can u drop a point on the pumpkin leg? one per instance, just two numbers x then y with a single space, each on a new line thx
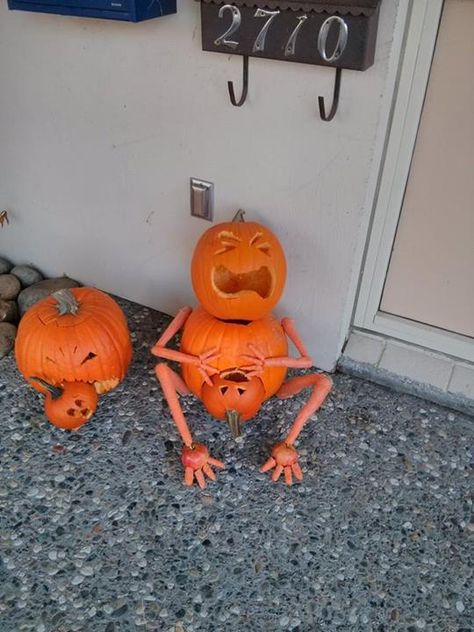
284 457
195 456
170 383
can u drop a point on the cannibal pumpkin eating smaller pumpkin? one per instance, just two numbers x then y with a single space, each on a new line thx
77 336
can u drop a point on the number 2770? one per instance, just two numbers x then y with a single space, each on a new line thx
290 47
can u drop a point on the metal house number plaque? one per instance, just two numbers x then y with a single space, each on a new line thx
339 33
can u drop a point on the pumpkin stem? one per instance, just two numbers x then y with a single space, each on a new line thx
55 391
67 302
233 419
239 216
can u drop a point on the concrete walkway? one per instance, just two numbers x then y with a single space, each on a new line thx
97 532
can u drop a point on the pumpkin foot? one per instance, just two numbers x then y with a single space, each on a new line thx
284 460
197 465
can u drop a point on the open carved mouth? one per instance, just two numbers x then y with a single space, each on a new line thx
228 284
234 375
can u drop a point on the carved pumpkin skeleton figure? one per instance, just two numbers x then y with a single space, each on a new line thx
234 353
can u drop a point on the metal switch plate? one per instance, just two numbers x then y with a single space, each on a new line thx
202 199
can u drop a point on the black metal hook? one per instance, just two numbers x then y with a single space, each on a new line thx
245 87
335 100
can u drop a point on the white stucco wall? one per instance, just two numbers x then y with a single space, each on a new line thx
103 123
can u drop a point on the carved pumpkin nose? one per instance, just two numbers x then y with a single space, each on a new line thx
239 390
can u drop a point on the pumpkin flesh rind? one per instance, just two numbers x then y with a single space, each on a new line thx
202 332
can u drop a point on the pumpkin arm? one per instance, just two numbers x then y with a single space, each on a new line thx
176 324
304 361
284 458
259 361
322 385
195 456
171 383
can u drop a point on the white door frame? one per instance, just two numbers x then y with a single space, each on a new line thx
414 73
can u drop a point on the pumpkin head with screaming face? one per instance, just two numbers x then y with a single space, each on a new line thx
238 271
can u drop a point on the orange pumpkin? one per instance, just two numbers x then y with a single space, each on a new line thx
238 270
202 332
233 394
77 335
69 407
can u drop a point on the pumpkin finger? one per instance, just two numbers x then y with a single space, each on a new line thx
205 376
268 465
252 367
277 472
216 463
288 475
297 471
252 358
207 354
200 478
208 471
210 370
188 476
252 374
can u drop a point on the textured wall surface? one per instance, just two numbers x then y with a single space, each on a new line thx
103 123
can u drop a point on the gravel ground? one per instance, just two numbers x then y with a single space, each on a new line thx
97 532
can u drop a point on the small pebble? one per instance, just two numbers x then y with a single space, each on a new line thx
460 607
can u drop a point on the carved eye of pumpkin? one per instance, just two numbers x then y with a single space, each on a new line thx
228 241
263 246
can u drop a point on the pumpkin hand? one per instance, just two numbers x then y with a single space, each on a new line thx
284 459
204 366
197 464
257 359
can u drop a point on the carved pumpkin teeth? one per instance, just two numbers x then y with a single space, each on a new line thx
105 385
229 284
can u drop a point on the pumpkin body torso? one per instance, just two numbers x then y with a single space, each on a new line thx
202 332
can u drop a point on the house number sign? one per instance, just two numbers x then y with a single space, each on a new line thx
338 34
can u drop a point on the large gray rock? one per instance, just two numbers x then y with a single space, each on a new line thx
27 275
31 295
8 311
5 265
10 287
7 338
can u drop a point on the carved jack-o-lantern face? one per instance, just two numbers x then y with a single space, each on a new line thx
233 397
69 406
238 271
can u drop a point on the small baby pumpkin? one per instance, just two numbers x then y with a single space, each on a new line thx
70 406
